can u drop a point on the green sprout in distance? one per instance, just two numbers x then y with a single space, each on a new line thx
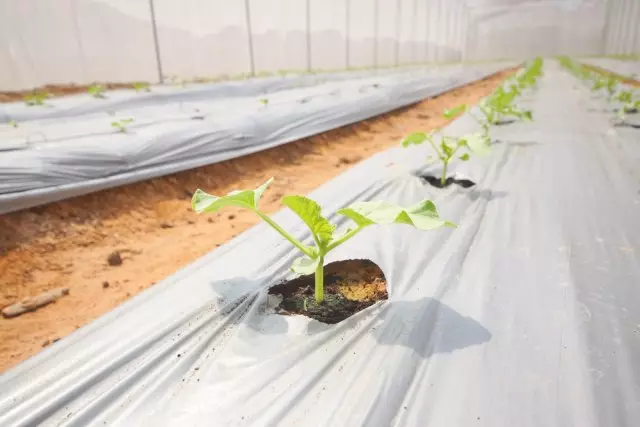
13 123
500 104
263 101
141 87
36 98
423 216
629 104
97 91
477 143
122 124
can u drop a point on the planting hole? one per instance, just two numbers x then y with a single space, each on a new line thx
349 287
435 181
628 125
503 122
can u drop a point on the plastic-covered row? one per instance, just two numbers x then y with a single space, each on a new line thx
80 144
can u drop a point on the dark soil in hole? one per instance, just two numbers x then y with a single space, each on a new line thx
435 181
628 125
503 122
349 287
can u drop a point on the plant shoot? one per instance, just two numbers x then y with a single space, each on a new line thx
97 91
423 216
122 124
36 98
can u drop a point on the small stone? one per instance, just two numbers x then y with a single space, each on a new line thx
56 339
231 216
166 225
46 343
114 258
191 222
105 284
209 220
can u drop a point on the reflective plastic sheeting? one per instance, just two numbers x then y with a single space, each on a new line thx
525 315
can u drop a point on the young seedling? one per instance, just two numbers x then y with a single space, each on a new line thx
610 83
423 216
500 105
263 101
36 98
122 124
629 105
13 123
477 143
97 91
141 87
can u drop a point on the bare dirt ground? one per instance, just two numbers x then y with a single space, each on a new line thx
605 72
67 244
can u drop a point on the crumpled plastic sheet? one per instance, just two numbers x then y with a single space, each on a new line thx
525 315
77 150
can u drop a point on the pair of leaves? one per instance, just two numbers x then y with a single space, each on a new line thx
423 216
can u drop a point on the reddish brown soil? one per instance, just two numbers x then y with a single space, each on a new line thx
58 90
605 72
69 243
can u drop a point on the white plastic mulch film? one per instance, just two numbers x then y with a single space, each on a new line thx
82 41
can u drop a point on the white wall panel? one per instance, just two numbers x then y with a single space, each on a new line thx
279 34
81 41
432 30
202 37
387 29
361 33
405 43
328 34
116 38
74 41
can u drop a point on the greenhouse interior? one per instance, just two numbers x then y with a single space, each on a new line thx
320 213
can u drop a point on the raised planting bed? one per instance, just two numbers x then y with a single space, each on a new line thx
103 143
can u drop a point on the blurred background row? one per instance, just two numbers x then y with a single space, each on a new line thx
83 41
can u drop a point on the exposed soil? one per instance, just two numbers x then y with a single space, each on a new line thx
604 72
58 90
349 287
153 230
435 181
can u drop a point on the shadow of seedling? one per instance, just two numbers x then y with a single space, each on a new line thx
428 326
627 125
523 144
504 122
486 194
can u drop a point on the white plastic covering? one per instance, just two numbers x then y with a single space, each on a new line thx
81 41
526 315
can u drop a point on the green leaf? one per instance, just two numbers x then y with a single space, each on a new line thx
479 143
203 202
305 265
310 213
423 215
455 111
415 138
527 115
448 151
465 157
